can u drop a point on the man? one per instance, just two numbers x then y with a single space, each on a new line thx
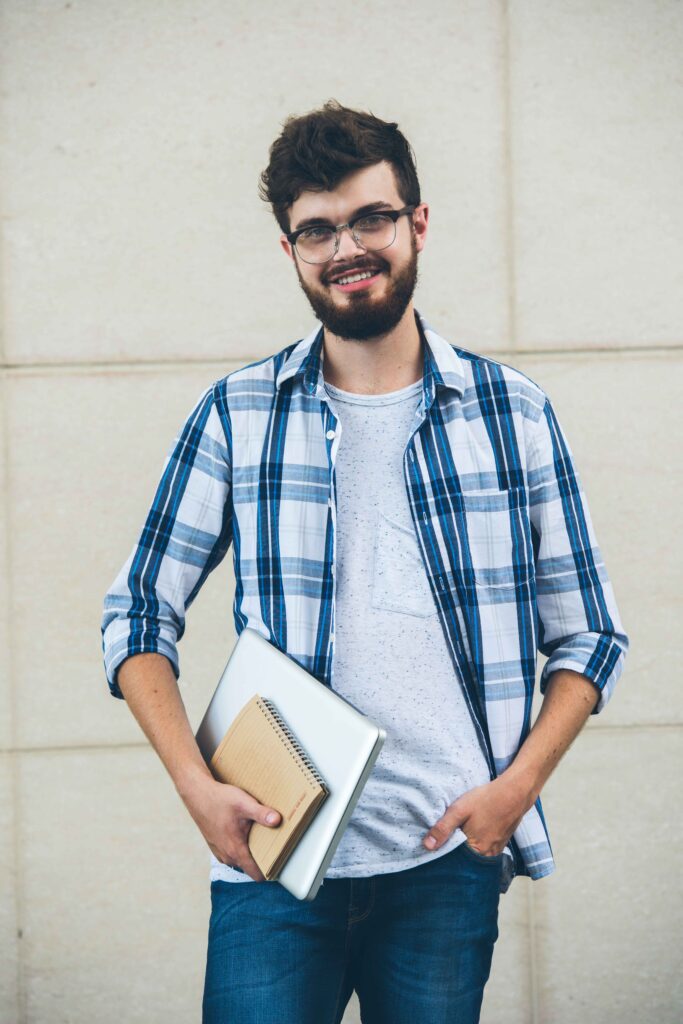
408 525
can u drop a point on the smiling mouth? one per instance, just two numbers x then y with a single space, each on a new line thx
351 279
357 281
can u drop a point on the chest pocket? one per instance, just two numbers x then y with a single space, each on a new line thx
499 539
399 581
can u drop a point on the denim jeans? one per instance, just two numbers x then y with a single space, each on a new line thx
415 945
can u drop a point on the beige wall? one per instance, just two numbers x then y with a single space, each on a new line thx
138 264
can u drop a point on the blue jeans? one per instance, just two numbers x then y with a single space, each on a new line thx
415 945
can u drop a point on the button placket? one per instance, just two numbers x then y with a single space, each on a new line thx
333 513
462 659
332 434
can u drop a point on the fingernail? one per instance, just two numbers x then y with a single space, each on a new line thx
271 817
430 841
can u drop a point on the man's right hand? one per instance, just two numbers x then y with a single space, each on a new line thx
224 815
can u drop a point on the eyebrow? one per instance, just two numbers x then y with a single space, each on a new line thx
368 208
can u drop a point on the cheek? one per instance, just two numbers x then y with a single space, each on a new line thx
308 278
310 273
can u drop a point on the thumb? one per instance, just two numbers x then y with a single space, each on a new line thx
444 828
261 813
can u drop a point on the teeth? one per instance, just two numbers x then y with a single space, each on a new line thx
352 278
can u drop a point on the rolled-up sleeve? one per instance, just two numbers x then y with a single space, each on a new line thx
578 620
187 532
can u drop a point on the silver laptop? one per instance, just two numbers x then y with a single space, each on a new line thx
342 743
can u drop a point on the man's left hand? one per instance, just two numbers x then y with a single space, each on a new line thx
488 815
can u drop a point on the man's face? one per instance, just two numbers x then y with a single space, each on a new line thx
372 307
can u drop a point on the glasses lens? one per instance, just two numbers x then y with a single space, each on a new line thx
375 231
316 245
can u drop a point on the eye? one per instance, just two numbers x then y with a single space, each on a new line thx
374 222
316 234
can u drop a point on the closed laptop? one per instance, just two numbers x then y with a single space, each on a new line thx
342 743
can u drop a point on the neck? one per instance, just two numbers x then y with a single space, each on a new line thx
377 365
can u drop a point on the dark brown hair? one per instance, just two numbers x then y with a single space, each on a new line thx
315 151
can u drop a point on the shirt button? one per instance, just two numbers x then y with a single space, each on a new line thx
332 637
332 570
330 434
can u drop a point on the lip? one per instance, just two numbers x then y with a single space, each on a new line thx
357 286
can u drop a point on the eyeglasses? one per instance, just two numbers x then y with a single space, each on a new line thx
371 231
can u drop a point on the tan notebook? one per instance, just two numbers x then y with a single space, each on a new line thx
260 755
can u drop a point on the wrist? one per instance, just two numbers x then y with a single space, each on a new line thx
523 783
191 778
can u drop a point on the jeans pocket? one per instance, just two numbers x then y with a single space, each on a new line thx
399 580
482 857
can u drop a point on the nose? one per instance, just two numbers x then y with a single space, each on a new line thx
348 246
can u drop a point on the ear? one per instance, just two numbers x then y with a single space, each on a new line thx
287 246
420 222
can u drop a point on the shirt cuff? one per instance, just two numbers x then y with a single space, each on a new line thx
598 657
116 653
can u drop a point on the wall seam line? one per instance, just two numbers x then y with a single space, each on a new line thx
238 362
511 286
533 955
509 193
603 730
17 824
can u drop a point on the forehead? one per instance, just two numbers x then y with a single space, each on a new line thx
368 185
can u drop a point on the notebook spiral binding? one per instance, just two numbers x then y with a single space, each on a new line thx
301 753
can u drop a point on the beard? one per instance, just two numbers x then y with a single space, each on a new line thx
365 318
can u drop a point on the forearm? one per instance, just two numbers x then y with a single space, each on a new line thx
148 683
569 699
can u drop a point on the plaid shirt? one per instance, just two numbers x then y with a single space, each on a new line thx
500 519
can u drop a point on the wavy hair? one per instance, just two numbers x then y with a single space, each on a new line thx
316 150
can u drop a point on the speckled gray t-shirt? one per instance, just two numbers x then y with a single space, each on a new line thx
390 656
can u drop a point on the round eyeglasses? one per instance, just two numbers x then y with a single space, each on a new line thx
318 243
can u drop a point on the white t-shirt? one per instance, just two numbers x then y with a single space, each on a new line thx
390 655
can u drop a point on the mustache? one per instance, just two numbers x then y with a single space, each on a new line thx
354 268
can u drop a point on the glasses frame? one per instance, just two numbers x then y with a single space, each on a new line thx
393 215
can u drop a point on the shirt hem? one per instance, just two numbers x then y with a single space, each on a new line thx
228 874
387 868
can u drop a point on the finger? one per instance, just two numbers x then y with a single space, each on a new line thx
445 827
251 868
240 858
255 811
248 864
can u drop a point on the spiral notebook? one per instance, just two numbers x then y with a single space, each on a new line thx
261 755
340 742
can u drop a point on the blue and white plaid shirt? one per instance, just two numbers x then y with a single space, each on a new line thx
500 519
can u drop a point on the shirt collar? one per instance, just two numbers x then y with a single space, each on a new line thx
442 365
